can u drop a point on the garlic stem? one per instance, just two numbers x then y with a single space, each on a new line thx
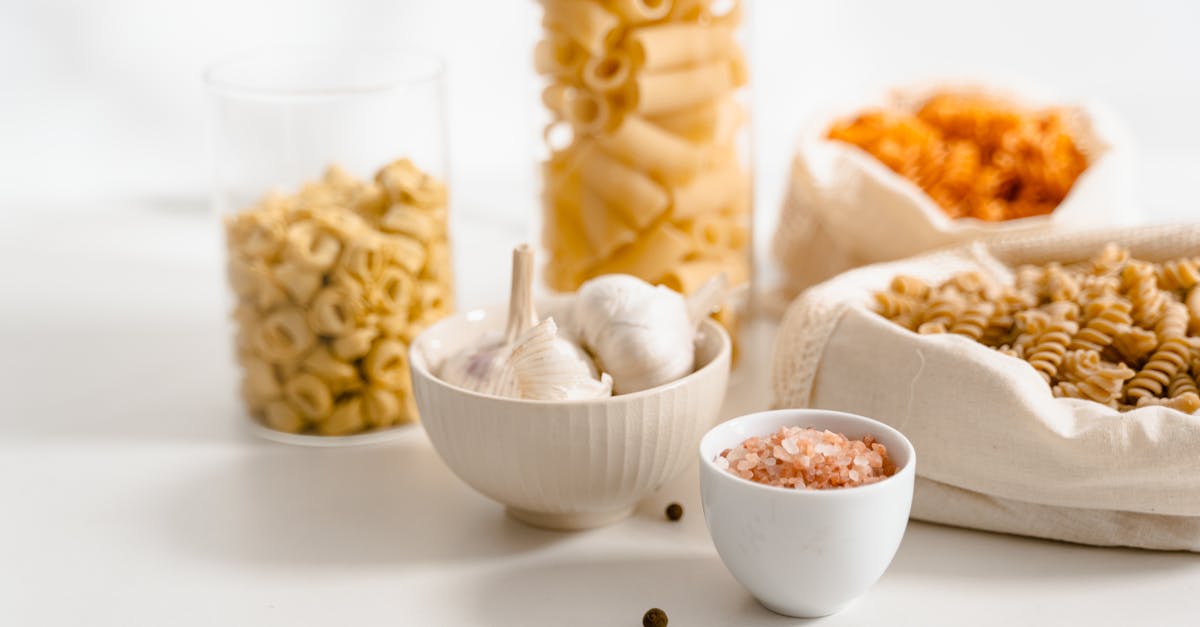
521 314
707 298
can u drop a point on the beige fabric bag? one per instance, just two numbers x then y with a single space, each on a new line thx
995 449
843 208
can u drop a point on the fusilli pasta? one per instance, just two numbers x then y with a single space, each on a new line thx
1113 329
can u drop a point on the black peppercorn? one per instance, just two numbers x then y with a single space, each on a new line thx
674 511
654 617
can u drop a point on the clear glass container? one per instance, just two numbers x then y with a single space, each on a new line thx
646 167
329 169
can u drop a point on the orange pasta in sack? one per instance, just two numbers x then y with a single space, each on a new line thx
975 157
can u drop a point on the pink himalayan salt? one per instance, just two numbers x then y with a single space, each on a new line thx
794 457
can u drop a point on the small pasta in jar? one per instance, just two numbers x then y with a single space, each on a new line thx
332 283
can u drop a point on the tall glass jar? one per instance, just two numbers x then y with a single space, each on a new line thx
329 166
646 167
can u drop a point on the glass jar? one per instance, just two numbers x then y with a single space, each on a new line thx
646 161
329 166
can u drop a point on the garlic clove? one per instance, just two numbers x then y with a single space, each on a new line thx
544 366
476 369
479 368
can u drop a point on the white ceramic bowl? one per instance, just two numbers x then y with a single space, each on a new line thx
805 553
569 464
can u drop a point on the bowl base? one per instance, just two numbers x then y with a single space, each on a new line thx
801 613
569 521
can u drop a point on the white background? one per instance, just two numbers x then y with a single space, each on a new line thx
104 97
129 496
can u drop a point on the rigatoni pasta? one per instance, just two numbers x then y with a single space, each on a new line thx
644 174
332 283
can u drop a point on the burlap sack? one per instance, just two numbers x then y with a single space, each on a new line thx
843 208
995 449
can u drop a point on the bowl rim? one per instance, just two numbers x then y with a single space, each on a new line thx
724 350
801 412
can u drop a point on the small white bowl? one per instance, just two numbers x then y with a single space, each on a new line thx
565 464
805 553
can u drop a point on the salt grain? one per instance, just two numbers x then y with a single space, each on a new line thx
800 458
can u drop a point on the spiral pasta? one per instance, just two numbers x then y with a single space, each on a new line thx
1112 329
1106 317
974 156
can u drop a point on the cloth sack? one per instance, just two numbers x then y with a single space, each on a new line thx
843 208
996 450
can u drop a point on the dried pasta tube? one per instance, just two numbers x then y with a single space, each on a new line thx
651 149
690 275
697 122
381 406
739 68
674 44
688 10
281 417
284 335
387 364
586 111
346 418
558 55
588 23
642 10
729 122
554 97
639 199
333 312
309 396
709 192
604 228
563 236
607 73
658 92
711 234
650 257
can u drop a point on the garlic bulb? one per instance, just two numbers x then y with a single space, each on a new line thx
531 361
641 334
544 366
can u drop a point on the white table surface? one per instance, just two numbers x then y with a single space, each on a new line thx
132 495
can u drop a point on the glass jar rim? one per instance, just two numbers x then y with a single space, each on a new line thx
321 71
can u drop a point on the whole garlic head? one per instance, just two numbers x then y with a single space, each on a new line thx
477 368
641 334
547 367
531 360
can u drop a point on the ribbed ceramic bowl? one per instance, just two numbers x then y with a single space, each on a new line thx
569 464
